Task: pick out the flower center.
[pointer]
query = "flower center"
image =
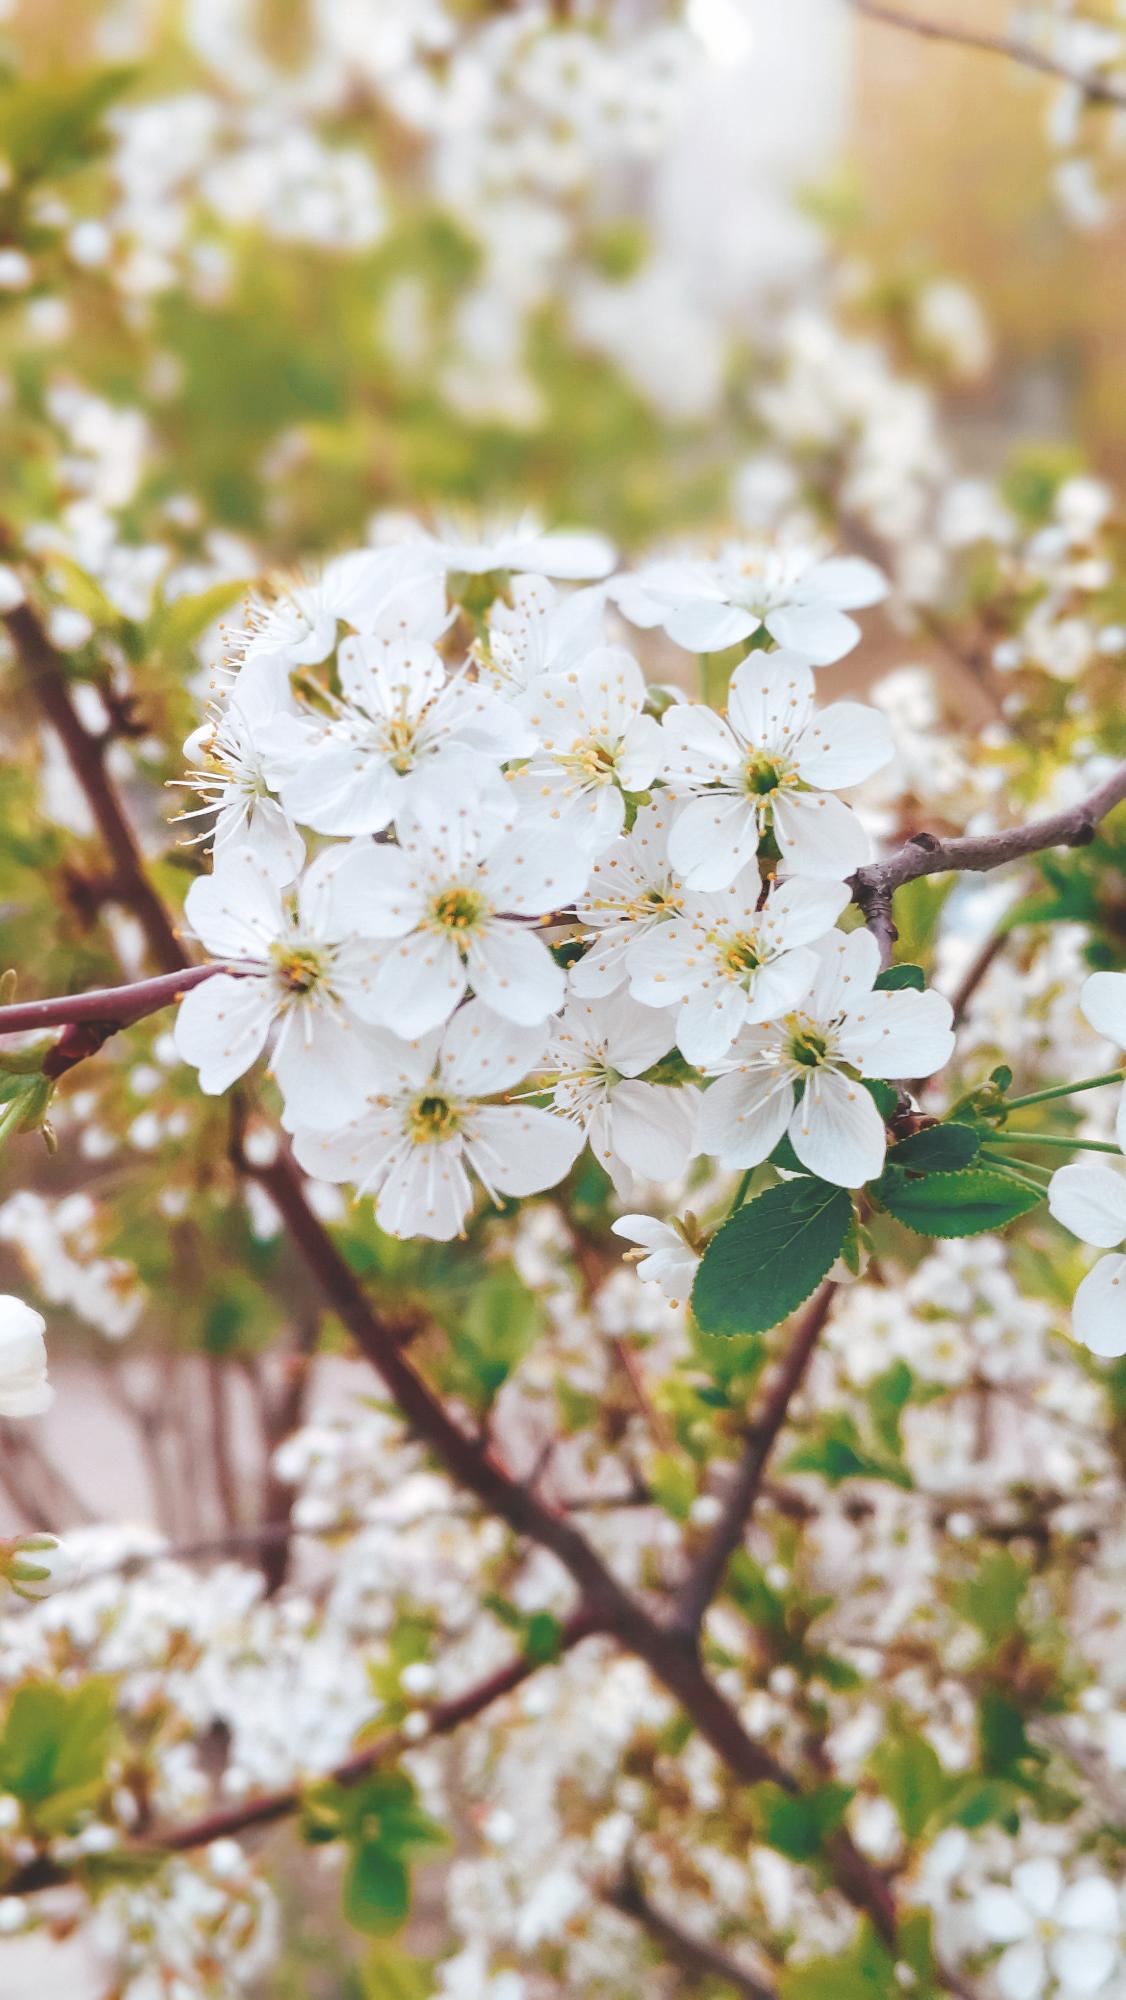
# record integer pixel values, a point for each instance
(457, 910)
(432, 1119)
(740, 956)
(763, 775)
(594, 762)
(807, 1046)
(298, 967)
(399, 743)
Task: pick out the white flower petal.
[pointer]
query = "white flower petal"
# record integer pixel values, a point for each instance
(837, 1131)
(221, 1028)
(513, 972)
(713, 838)
(818, 835)
(843, 745)
(899, 1034)
(1001, 1916)
(1099, 1311)
(519, 1149)
(1090, 1200)
(1103, 1002)
(1021, 1972)
(482, 1054)
(817, 630)
(420, 980)
(744, 1115)
(654, 1128)
(1091, 1904)
(1083, 1963)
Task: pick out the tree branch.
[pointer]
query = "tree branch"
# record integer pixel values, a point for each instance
(1099, 89)
(925, 854)
(706, 1574)
(470, 1460)
(230, 1821)
(111, 1007)
(42, 668)
(695, 1956)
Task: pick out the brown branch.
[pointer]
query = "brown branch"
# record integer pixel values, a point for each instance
(269, 1807)
(1100, 89)
(43, 670)
(706, 1574)
(925, 854)
(695, 1956)
(469, 1459)
(107, 1006)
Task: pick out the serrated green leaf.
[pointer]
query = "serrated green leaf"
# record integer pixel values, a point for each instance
(377, 1890)
(969, 1203)
(770, 1255)
(895, 978)
(54, 1749)
(884, 1096)
(937, 1149)
(51, 126)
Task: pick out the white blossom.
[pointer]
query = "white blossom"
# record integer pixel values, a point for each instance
(799, 597)
(668, 1261)
(763, 768)
(802, 1075)
(441, 1117)
(24, 1388)
(734, 959)
(597, 1055)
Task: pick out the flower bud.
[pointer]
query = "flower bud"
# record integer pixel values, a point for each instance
(39, 1565)
(24, 1388)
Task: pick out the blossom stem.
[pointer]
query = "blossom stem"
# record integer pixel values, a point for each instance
(1011, 1138)
(1100, 89)
(1064, 1090)
(1034, 1178)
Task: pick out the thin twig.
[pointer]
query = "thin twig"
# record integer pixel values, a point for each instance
(695, 1956)
(925, 854)
(1100, 89)
(706, 1574)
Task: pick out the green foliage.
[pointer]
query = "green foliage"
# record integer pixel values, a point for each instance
(769, 1256)
(799, 1825)
(901, 978)
(836, 1452)
(974, 1202)
(868, 1971)
(910, 1773)
(538, 1633)
(389, 1973)
(501, 1321)
(386, 1830)
(992, 1597)
(52, 126)
(936, 1149)
(54, 1750)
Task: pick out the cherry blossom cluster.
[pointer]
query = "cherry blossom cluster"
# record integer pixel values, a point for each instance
(401, 834)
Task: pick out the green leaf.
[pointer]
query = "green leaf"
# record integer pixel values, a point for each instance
(377, 1890)
(991, 1599)
(837, 1454)
(865, 1972)
(937, 1149)
(969, 1203)
(894, 978)
(911, 1774)
(888, 1397)
(1004, 1740)
(799, 1825)
(390, 1973)
(54, 1749)
(499, 1325)
(51, 126)
(769, 1256)
(884, 1096)
(176, 626)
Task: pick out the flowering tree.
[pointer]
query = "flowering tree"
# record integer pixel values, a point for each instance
(557, 993)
